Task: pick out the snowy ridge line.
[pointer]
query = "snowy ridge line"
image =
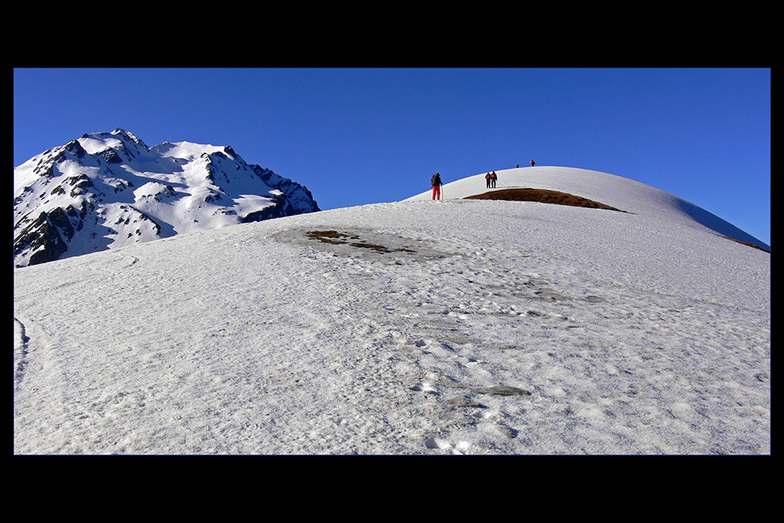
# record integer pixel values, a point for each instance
(616, 191)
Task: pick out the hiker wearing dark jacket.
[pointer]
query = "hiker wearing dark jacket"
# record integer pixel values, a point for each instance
(435, 181)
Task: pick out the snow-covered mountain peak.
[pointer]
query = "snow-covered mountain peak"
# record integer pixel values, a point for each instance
(119, 139)
(187, 151)
(109, 189)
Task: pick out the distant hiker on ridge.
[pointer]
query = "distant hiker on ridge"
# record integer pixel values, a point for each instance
(436, 182)
(487, 179)
(493, 178)
(532, 163)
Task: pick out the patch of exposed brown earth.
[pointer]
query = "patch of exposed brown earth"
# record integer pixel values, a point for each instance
(542, 196)
(338, 238)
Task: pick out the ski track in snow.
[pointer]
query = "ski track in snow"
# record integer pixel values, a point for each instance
(467, 338)
(20, 351)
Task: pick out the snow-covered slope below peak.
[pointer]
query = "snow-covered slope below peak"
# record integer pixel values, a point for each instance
(471, 327)
(616, 191)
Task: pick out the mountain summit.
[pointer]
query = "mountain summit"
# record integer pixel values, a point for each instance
(601, 189)
(107, 190)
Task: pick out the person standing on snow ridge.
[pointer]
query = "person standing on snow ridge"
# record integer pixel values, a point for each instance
(493, 178)
(487, 179)
(532, 163)
(435, 181)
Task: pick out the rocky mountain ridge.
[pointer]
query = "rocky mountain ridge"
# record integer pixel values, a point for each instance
(108, 190)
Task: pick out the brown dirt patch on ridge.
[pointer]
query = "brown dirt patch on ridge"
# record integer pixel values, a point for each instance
(542, 196)
(339, 238)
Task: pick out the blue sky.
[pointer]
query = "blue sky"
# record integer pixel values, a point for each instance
(357, 136)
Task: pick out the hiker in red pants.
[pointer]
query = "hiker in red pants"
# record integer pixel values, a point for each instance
(436, 182)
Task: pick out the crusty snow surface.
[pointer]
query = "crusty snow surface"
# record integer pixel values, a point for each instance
(415, 327)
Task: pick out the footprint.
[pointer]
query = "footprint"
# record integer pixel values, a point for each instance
(437, 443)
(127, 260)
(509, 432)
(501, 390)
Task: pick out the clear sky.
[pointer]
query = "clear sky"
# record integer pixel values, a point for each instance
(358, 136)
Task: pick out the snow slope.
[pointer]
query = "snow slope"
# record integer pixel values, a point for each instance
(622, 193)
(414, 327)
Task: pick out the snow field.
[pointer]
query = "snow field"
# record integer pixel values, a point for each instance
(487, 328)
